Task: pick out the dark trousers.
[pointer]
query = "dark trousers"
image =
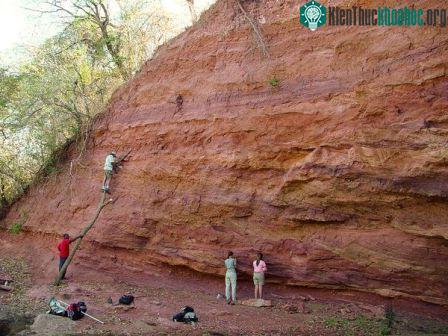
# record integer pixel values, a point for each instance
(61, 263)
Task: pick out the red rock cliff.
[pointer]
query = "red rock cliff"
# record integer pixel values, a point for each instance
(339, 174)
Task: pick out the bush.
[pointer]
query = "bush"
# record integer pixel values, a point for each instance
(274, 82)
(16, 228)
(389, 316)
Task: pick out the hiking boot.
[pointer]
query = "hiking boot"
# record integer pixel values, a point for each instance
(228, 301)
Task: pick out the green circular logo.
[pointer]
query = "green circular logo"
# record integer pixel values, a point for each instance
(313, 15)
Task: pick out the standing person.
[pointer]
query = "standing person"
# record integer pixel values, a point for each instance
(64, 249)
(108, 170)
(230, 263)
(259, 269)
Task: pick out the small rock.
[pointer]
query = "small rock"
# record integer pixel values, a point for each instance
(216, 312)
(151, 322)
(257, 303)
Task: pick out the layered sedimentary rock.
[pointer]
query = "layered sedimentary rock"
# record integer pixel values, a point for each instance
(330, 156)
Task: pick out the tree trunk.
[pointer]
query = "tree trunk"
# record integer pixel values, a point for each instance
(3, 201)
(116, 58)
(101, 205)
(194, 16)
(114, 52)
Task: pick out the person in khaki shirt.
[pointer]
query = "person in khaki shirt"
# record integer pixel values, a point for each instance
(108, 170)
(230, 263)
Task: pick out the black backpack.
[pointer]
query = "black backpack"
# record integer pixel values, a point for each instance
(82, 306)
(126, 299)
(186, 315)
(187, 309)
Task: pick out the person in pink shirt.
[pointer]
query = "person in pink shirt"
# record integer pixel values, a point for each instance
(259, 269)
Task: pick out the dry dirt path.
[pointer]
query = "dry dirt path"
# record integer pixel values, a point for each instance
(160, 295)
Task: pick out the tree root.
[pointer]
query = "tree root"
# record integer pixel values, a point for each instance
(258, 35)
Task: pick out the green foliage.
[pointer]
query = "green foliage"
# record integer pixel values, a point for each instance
(331, 321)
(9, 83)
(389, 319)
(16, 228)
(361, 321)
(385, 330)
(50, 100)
(274, 82)
(361, 325)
(338, 324)
(442, 330)
(389, 314)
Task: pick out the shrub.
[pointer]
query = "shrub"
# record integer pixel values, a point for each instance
(389, 318)
(274, 82)
(16, 228)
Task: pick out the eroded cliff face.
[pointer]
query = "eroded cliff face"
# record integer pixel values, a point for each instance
(339, 174)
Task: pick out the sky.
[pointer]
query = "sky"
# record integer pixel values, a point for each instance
(12, 23)
(21, 27)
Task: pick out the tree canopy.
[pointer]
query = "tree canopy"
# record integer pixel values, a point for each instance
(50, 100)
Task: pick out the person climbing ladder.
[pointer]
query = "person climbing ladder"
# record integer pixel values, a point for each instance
(66, 258)
(108, 170)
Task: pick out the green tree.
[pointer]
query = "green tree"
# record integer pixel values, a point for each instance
(51, 99)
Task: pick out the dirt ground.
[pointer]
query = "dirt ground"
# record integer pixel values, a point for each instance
(295, 311)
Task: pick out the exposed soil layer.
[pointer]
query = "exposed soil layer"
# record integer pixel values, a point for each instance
(330, 156)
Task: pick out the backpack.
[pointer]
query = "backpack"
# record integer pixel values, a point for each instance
(126, 299)
(187, 309)
(190, 317)
(82, 306)
(186, 315)
(75, 310)
(56, 308)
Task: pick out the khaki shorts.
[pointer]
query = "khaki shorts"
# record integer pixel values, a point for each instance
(108, 173)
(258, 278)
